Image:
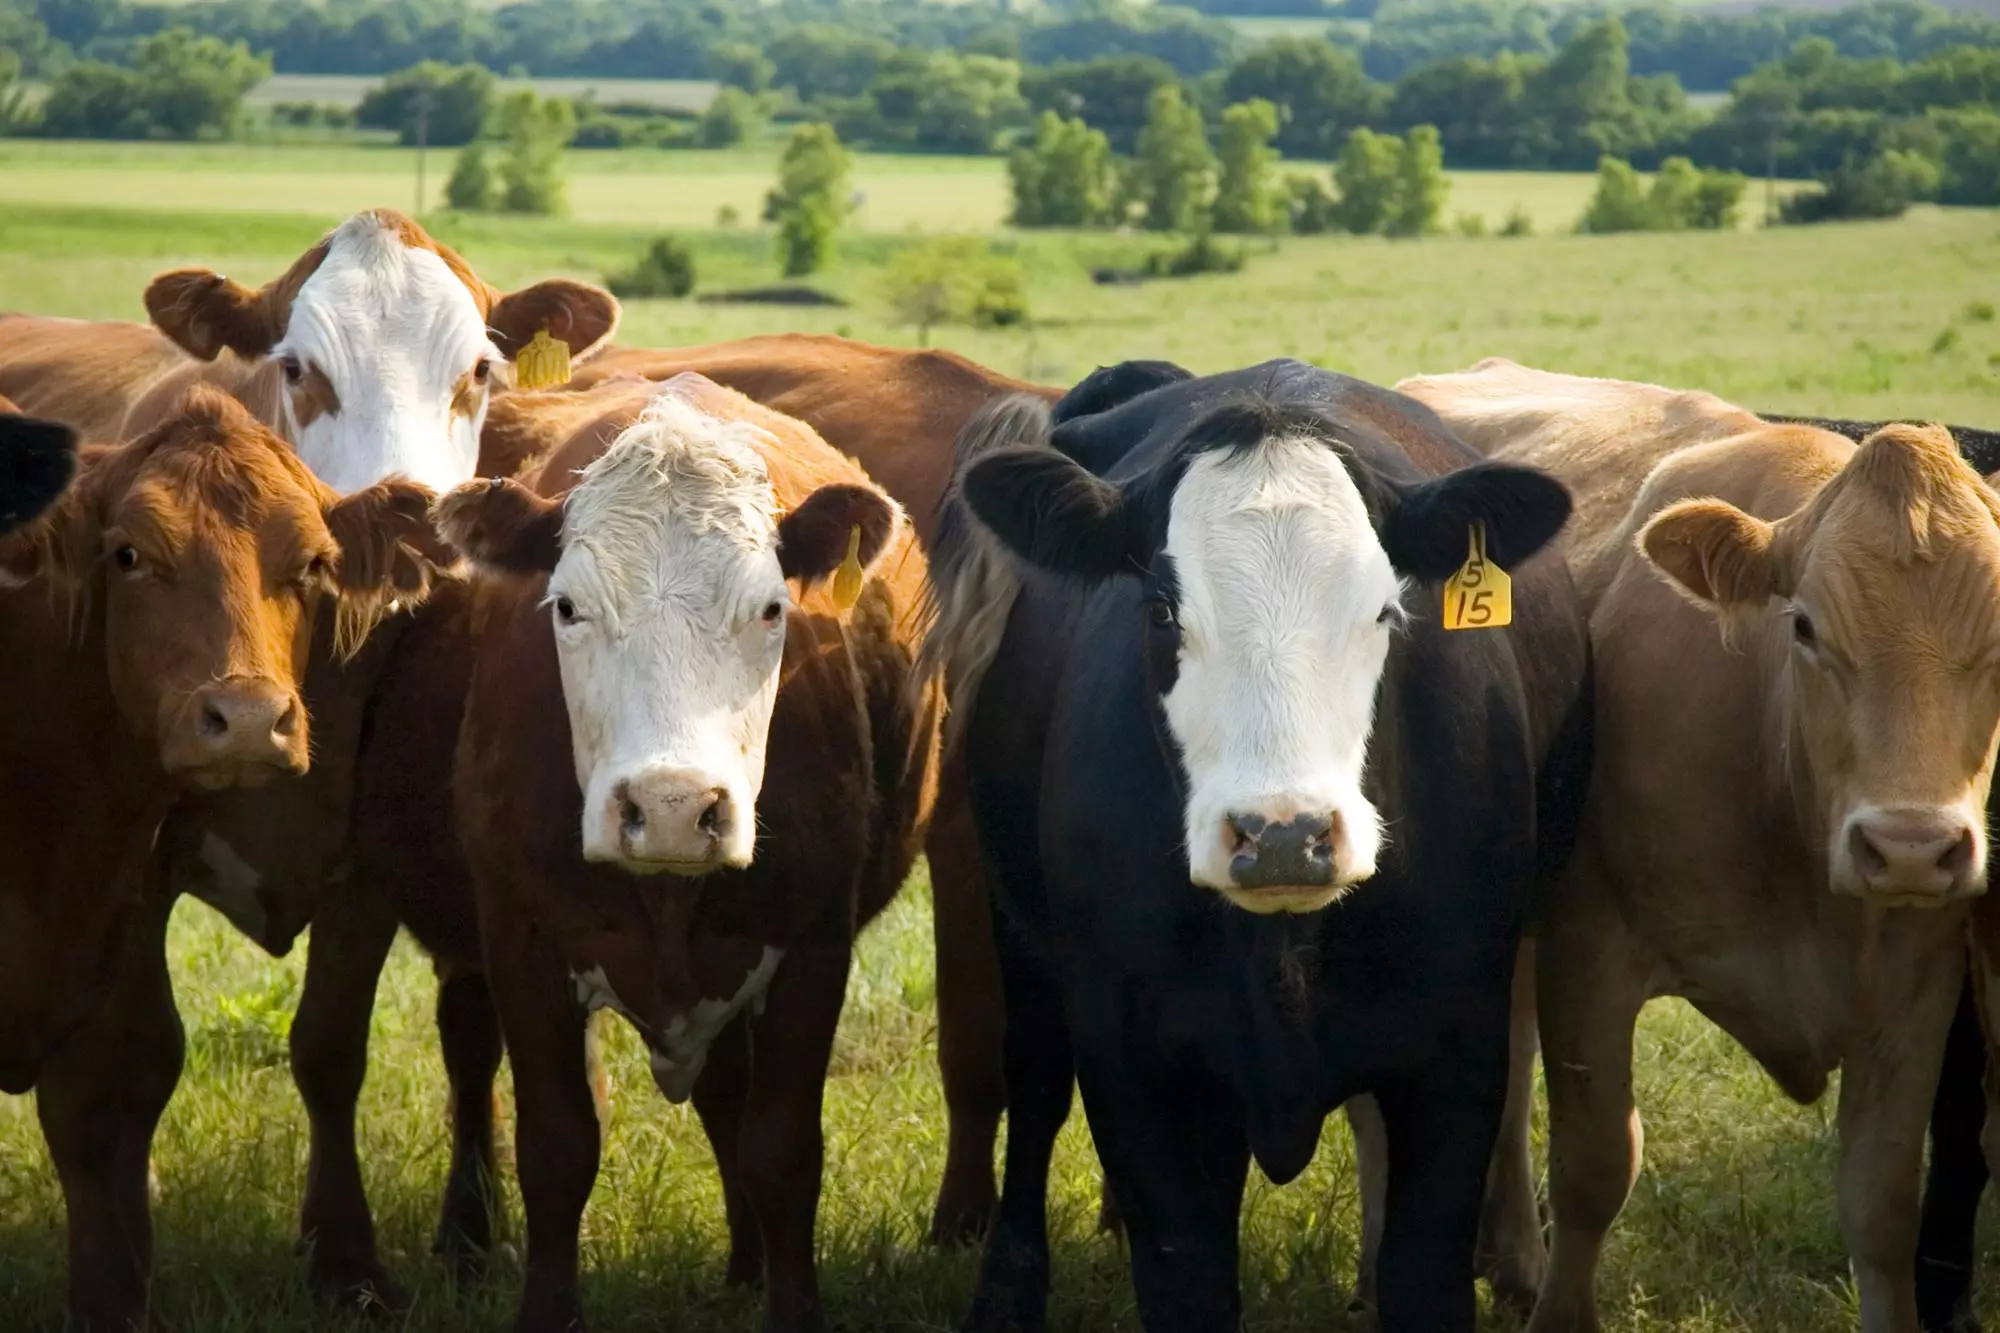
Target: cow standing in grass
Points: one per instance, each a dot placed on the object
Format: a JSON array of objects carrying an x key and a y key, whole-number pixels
[
  {"x": 1263, "y": 833},
  {"x": 1797, "y": 646}
]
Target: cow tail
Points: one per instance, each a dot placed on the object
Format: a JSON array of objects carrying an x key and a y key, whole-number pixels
[{"x": 973, "y": 582}]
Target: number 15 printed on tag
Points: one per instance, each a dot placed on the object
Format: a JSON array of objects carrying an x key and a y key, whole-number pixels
[{"x": 1479, "y": 595}]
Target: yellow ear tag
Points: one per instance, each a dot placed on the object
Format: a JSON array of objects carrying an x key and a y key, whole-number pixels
[
  {"x": 1479, "y": 595},
  {"x": 847, "y": 579},
  {"x": 542, "y": 364}
]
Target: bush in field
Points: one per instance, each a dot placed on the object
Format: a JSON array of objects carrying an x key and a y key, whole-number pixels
[
  {"x": 1245, "y": 197},
  {"x": 1173, "y": 178},
  {"x": 734, "y": 117},
  {"x": 810, "y": 200},
  {"x": 1065, "y": 178},
  {"x": 1683, "y": 197},
  {"x": 1881, "y": 185},
  {"x": 473, "y": 187},
  {"x": 15, "y": 114},
  {"x": 180, "y": 86},
  {"x": 1311, "y": 207},
  {"x": 665, "y": 269},
  {"x": 955, "y": 280},
  {"x": 461, "y": 98},
  {"x": 1519, "y": 222},
  {"x": 1200, "y": 255},
  {"x": 533, "y": 131},
  {"x": 1390, "y": 186},
  {"x": 1420, "y": 185}
]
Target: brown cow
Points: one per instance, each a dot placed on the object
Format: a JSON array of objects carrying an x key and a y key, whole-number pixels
[
  {"x": 374, "y": 354},
  {"x": 36, "y": 461},
  {"x": 1796, "y": 643},
  {"x": 758, "y": 754},
  {"x": 156, "y": 620}
]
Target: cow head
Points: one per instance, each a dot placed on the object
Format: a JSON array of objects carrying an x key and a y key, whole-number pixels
[
  {"x": 383, "y": 343},
  {"x": 203, "y": 548},
  {"x": 667, "y": 569},
  {"x": 1273, "y": 565},
  {"x": 1883, "y": 593}
]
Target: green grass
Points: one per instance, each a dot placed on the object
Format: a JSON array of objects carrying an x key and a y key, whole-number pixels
[{"x": 1732, "y": 1226}]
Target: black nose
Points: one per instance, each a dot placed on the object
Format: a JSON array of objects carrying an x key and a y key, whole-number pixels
[{"x": 1298, "y": 852}]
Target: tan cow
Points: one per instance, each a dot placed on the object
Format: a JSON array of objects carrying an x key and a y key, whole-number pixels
[
  {"x": 374, "y": 354},
  {"x": 1798, "y": 686},
  {"x": 155, "y": 623}
]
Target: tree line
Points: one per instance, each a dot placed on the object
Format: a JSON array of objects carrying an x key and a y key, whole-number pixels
[{"x": 821, "y": 45}]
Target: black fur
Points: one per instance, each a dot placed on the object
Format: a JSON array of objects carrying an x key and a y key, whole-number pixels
[
  {"x": 1980, "y": 447},
  {"x": 1108, "y": 386},
  {"x": 37, "y": 460},
  {"x": 1052, "y": 513},
  {"x": 1427, "y": 534}
]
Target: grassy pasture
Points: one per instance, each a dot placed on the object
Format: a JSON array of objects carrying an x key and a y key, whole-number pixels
[{"x": 1732, "y": 1226}]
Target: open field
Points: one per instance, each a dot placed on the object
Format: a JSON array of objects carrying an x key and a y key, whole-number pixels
[
  {"x": 1732, "y": 1227},
  {"x": 663, "y": 189},
  {"x": 349, "y": 89}
]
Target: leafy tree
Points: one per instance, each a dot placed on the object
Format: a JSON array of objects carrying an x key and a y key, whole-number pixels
[
  {"x": 955, "y": 280},
  {"x": 1682, "y": 196},
  {"x": 1879, "y": 186},
  {"x": 822, "y": 60},
  {"x": 473, "y": 187},
  {"x": 1065, "y": 178},
  {"x": 533, "y": 132},
  {"x": 1173, "y": 177},
  {"x": 1420, "y": 185},
  {"x": 1368, "y": 176},
  {"x": 1318, "y": 89},
  {"x": 733, "y": 117},
  {"x": 461, "y": 98},
  {"x": 940, "y": 102},
  {"x": 1188, "y": 42},
  {"x": 741, "y": 65},
  {"x": 1245, "y": 198},
  {"x": 1109, "y": 94},
  {"x": 665, "y": 269},
  {"x": 1478, "y": 106},
  {"x": 1620, "y": 201},
  {"x": 180, "y": 87},
  {"x": 1311, "y": 207},
  {"x": 810, "y": 199},
  {"x": 15, "y": 114}
]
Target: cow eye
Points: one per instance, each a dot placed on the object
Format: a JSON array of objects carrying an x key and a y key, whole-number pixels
[
  {"x": 772, "y": 613},
  {"x": 1802, "y": 629},
  {"x": 1161, "y": 613},
  {"x": 484, "y": 370},
  {"x": 294, "y": 372},
  {"x": 315, "y": 570},
  {"x": 566, "y": 611},
  {"x": 1388, "y": 615},
  {"x": 127, "y": 558}
]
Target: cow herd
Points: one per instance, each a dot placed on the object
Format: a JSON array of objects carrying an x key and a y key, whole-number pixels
[{"x": 1279, "y": 744}]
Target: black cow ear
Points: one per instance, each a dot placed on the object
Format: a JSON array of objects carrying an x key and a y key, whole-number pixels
[
  {"x": 1427, "y": 532},
  {"x": 1108, "y": 386},
  {"x": 1048, "y": 510}
]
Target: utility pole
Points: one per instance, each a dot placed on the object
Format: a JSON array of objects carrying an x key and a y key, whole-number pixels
[{"x": 423, "y": 138}]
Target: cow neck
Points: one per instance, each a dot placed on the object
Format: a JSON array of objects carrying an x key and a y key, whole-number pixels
[{"x": 1787, "y": 768}]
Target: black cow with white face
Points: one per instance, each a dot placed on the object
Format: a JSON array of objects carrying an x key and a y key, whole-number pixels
[{"x": 1263, "y": 833}]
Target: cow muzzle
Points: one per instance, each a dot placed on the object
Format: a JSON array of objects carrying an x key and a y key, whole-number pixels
[
  {"x": 1915, "y": 856},
  {"x": 669, "y": 821},
  {"x": 1287, "y": 862},
  {"x": 236, "y": 732}
]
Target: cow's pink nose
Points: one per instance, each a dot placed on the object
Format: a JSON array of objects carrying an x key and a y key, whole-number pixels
[
  {"x": 231, "y": 729},
  {"x": 673, "y": 820},
  {"x": 1913, "y": 853}
]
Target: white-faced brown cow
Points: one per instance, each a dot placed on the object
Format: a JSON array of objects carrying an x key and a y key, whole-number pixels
[
  {"x": 685, "y": 778},
  {"x": 1798, "y": 684},
  {"x": 154, "y": 626}
]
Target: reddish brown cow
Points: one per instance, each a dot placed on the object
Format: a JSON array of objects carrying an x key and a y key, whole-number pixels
[
  {"x": 755, "y": 750},
  {"x": 156, "y": 620}
]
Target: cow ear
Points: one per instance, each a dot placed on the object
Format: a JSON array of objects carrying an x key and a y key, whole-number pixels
[
  {"x": 388, "y": 554},
  {"x": 1714, "y": 554},
  {"x": 576, "y": 313},
  {"x": 1108, "y": 386},
  {"x": 1053, "y": 513},
  {"x": 502, "y": 525},
  {"x": 813, "y": 538},
  {"x": 205, "y": 312},
  {"x": 1427, "y": 532},
  {"x": 61, "y": 545},
  {"x": 37, "y": 459}
]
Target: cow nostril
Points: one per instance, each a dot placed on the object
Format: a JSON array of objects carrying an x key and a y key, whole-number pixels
[
  {"x": 214, "y": 722},
  {"x": 287, "y": 724},
  {"x": 710, "y": 820},
  {"x": 631, "y": 819},
  {"x": 1868, "y": 857},
  {"x": 1957, "y": 859}
]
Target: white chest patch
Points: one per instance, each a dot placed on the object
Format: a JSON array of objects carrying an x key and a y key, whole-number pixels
[
  {"x": 226, "y": 882},
  {"x": 683, "y": 1050},
  {"x": 593, "y": 992}
]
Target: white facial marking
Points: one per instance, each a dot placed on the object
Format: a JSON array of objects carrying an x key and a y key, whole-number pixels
[
  {"x": 683, "y": 1050},
  {"x": 1283, "y": 586},
  {"x": 669, "y": 610},
  {"x": 393, "y": 329}
]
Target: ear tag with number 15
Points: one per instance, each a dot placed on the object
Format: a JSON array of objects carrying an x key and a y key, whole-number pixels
[{"x": 1479, "y": 595}]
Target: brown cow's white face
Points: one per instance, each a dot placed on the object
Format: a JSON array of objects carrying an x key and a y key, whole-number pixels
[{"x": 1885, "y": 591}]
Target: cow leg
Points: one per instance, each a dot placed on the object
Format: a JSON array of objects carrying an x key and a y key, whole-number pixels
[
  {"x": 99, "y": 1100},
  {"x": 556, "y": 1130},
  {"x": 971, "y": 1056},
  {"x": 1591, "y": 983},
  {"x": 1510, "y": 1254},
  {"x": 720, "y": 1095},
  {"x": 1441, "y": 1131},
  {"x": 1886, "y": 1087},
  {"x": 469, "y": 1033},
  {"x": 1957, "y": 1177},
  {"x": 1013, "y": 1291},
  {"x": 784, "y": 1148},
  {"x": 351, "y": 935},
  {"x": 1177, "y": 1156}
]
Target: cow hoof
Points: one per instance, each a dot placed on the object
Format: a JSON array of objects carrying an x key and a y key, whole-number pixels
[
  {"x": 365, "y": 1289},
  {"x": 955, "y": 1228}
]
